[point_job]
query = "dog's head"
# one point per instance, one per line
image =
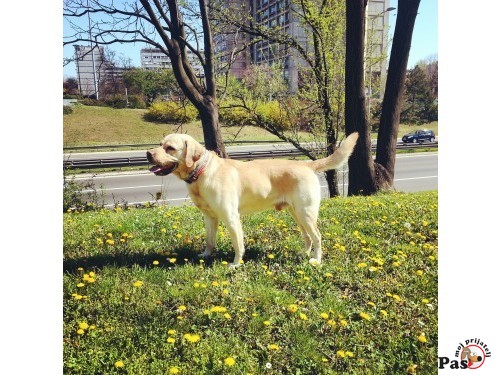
(177, 153)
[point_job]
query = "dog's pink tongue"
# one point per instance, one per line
(155, 169)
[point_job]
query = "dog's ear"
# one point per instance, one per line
(190, 149)
(465, 353)
(193, 152)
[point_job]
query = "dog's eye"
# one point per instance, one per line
(170, 148)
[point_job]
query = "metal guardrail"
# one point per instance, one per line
(240, 155)
(151, 145)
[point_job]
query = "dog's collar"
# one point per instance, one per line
(202, 164)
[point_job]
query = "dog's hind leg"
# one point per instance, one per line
(307, 238)
(211, 225)
(306, 218)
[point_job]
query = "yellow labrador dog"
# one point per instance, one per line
(224, 189)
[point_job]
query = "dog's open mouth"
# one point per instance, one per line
(163, 171)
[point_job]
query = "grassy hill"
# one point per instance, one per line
(138, 301)
(89, 125)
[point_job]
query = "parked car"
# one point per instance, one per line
(419, 136)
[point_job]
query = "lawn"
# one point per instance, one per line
(93, 126)
(138, 301)
(89, 125)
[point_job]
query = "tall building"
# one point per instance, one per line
(154, 58)
(280, 13)
(89, 69)
(95, 74)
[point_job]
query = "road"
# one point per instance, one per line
(414, 172)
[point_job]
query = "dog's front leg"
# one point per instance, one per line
(211, 225)
(236, 232)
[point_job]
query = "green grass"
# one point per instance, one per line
(360, 312)
(95, 126)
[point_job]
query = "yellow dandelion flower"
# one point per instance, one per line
(215, 283)
(172, 260)
(227, 316)
(303, 316)
(292, 308)
(331, 323)
(119, 364)
(170, 340)
(419, 272)
(383, 312)
(192, 338)
(182, 308)
(270, 256)
(80, 285)
(110, 235)
(80, 331)
(225, 291)
(155, 262)
(328, 274)
(83, 325)
(425, 301)
(340, 353)
(138, 283)
(174, 370)
(171, 331)
(224, 263)
(396, 297)
(365, 316)
(362, 265)
(241, 261)
(371, 303)
(110, 242)
(343, 322)
(219, 309)
(422, 338)
(324, 359)
(349, 354)
(266, 322)
(273, 347)
(229, 361)
(324, 315)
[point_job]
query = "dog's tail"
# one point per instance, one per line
(338, 158)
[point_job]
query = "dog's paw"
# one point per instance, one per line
(314, 261)
(233, 266)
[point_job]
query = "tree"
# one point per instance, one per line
(320, 51)
(418, 100)
(70, 86)
(170, 26)
(366, 176)
(151, 83)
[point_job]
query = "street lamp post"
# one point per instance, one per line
(370, 64)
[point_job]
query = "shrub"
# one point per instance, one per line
(273, 113)
(136, 101)
(235, 116)
(67, 109)
(116, 101)
(75, 199)
(91, 102)
(169, 111)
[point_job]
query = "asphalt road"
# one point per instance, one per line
(414, 172)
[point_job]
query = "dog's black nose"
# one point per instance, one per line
(149, 156)
(479, 358)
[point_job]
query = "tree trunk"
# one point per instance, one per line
(209, 115)
(361, 166)
(391, 105)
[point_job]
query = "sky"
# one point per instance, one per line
(424, 42)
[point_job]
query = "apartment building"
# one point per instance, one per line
(96, 76)
(281, 13)
(154, 58)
